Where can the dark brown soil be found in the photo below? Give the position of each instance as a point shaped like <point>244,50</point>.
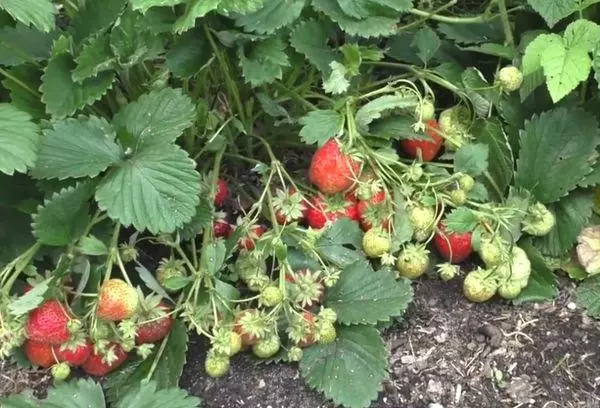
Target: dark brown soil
<point>450,352</point>
<point>447,353</point>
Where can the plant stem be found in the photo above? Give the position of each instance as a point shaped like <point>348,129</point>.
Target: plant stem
<point>20,83</point>
<point>508,35</point>
<point>482,18</point>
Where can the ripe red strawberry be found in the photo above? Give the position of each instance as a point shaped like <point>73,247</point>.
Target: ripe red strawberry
<point>156,328</point>
<point>48,323</point>
<point>75,353</point>
<point>248,242</point>
<point>374,211</point>
<point>117,300</point>
<point>323,209</point>
<point>100,364</point>
<point>39,353</point>
<point>453,247</point>
<point>222,192</point>
<point>221,228</point>
<point>429,148</point>
<point>331,170</point>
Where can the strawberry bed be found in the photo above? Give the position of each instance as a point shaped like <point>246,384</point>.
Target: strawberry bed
<point>186,184</point>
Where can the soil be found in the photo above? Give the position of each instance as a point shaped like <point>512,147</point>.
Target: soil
<point>446,353</point>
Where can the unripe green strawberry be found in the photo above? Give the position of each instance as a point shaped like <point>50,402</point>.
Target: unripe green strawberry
<point>454,124</point>
<point>415,172</point>
<point>510,78</point>
<point>509,290</point>
<point>539,220</point>
<point>421,235</point>
<point>216,365</point>
<point>328,315</point>
<point>458,197</point>
<point>169,268</point>
<point>326,333</point>
<point>448,271</point>
<point>271,296</point>
<point>127,253</point>
<point>295,354</point>
<point>466,182</point>
<point>491,252</point>
<point>412,261</point>
<point>425,110</point>
<point>267,347</point>
<point>235,344</point>
<point>421,217</point>
<point>117,300</point>
<point>520,266</point>
<point>477,287</point>
<point>376,242</point>
<point>60,371</point>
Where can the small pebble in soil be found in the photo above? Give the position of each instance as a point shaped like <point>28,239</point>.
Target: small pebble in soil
<point>435,405</point>
<point>571,306</point>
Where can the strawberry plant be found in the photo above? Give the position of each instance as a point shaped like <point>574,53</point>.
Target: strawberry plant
<point>147,191</point>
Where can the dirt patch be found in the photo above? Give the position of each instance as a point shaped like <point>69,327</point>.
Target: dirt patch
<point>448,352</point>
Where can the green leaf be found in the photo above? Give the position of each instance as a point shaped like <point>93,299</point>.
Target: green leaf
<point>240,6</point>
<point>63,218</point>
<point>272,107</point>
<point>582,33</point>
<point>300,260</point>
<point>73,148</point>
<point>38,13</point>
<point>519,199</point>
<point>375,108</point>
<point>403,229</point>
<point>150,281</point>
<point>19,137</point>
<point>202,219</point>
<point>572,214</point>
<point>553,10</point>
<point>189,53</point>
<point>24,400</point>
<point>471,159</point>
<point>166,375</point>
<point>310,39</point>
<point>501,160</point>
<point>336,83</point>
<point>565,67</point>
<point>132,40</point>
<point>148,395</point>
<point>274,15</point>
<point>29,301</point>
<point>144,5</point>
<point>20,97</point>
<point>366,27</point>
<point>95,16</point>
<point>479,91</point>
<point>596,64</point>
<point>91,245</point>
<point>363,296</point>
<point>588,296</point>
<point>194,9</point>
<point>213,256</point>
<point>157,118</point>
<point>542,282</point>
<point>156,189</point>
<point>321,125</point>
<point>21,44</point>
<point>176,283</point>
<point>331,245</point>
<point>533,73</point>
<point>95,57</point>
<point>348,371</point>
<point>62,95</point>
<point>264,62</point>
<point>397,127</point>
<point>473,33</point>
<point>427,43</point>
<point>557,152</point>
<point>497,50</point>
<point>461,220</point>
<point>81,393</point>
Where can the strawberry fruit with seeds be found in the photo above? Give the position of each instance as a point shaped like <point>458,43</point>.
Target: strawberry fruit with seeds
<point>75,352</point>
<point>221,228</point>
<point>155,324</point>
<point>222,192</point>
<point>39,353</point>
<point>324,209</point>
<point>117,300</point>
<point>332,170</point>
<point>429,148</point>
<point>453,247</point>
<point>249,241</point>
<point>101,363</point>
<point>49,323</point>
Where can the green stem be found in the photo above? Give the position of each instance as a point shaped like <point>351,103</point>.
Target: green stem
<point>482,18</point>
<point>159,353</point>
<point>508,35</point>
<point>295,95</point>
<point>114,241</point>
<point>231,84</point>
<point>425,18</point>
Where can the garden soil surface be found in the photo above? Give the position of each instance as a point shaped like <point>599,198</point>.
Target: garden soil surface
<point>446,353</point>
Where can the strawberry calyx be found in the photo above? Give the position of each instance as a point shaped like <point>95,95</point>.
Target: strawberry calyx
<point>306,287</point>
